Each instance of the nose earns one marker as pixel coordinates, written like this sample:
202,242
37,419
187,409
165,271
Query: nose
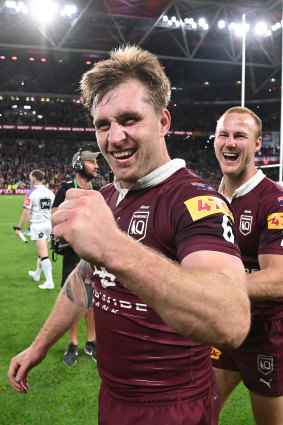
230,141
116,133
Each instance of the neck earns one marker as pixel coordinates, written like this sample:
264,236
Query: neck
232,182
83,182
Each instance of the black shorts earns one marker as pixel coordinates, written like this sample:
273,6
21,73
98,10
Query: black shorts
70,261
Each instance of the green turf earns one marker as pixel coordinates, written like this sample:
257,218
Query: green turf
58,394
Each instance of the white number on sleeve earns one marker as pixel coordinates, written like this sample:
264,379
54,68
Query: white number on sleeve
227,230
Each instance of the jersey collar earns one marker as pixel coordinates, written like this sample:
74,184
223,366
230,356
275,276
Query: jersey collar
246,187
153,178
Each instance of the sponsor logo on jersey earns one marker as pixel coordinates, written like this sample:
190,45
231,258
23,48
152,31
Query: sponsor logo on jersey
27,202
45,203
138,225
114,305
268,383
245,224
199,185
275,221
202,206
106,278
215,353
280,200
265,364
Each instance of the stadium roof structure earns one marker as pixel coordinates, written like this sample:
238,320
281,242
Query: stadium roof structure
171,29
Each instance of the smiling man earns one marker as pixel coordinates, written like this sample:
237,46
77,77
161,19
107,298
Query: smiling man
258,206
160,263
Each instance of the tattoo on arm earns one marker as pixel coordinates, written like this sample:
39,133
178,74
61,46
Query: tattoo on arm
78,286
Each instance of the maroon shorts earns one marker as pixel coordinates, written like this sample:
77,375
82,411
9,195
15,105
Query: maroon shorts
259,359
178,407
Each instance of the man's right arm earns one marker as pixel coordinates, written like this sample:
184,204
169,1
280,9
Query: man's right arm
72,303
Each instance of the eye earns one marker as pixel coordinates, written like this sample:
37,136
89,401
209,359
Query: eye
129,120
103,125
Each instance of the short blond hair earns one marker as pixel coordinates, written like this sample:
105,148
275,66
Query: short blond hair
244,110
125,63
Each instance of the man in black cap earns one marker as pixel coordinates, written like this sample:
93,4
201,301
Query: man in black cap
85,165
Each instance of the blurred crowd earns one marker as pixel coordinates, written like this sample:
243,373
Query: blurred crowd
186,115
19,157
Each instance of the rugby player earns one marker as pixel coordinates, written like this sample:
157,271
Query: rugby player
258,206
160,263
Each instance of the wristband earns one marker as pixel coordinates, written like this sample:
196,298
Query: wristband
17,228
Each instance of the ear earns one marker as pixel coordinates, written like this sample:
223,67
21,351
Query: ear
165,121
257,145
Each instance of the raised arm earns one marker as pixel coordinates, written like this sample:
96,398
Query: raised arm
204,298
72,303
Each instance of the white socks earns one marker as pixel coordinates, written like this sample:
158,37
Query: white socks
47,269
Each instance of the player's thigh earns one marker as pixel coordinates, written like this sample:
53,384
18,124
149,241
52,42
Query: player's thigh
267,410
227,381
42,248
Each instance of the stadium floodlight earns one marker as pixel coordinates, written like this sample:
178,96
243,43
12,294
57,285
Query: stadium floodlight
68,10
11,4
202,22
260,28
165,18
239,29
173,19
221,24
276,26
44,10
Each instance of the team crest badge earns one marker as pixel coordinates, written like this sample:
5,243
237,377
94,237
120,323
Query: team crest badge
265,364
280,200
246,224
138,225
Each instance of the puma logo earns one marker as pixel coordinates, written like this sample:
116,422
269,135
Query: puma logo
266,382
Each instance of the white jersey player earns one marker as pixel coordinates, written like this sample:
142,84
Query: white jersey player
37,207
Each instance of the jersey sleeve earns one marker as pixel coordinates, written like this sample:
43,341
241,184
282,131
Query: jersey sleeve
28,199
271,236
205,222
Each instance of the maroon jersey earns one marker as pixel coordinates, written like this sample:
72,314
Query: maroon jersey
176,214
258,209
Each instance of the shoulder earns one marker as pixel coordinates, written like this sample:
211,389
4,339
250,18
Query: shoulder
185,185
107,190
270,195
66,186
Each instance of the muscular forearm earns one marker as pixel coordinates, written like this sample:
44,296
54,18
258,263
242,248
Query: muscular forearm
202,305
72,304
265,285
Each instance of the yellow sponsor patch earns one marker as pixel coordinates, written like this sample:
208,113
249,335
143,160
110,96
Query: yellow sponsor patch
275,221
202,206
215,353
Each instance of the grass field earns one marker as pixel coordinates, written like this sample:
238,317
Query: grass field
59,394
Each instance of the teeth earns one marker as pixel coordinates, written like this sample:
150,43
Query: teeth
230,154
122,154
